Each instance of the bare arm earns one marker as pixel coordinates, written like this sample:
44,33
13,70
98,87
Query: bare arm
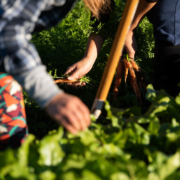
95,43
94,46
142,9
83,66
130,44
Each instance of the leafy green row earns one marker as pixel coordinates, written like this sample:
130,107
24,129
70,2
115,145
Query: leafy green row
127,145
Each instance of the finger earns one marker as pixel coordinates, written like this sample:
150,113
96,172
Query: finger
74,75
86,114
70,84
68,126
73,120
83,84
69,70
78,83
80,116
131,55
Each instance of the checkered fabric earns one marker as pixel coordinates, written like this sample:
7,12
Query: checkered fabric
18,20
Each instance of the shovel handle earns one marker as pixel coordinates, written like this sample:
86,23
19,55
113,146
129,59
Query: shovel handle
114,57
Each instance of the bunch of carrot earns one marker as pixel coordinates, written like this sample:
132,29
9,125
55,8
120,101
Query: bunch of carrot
75,82
134,73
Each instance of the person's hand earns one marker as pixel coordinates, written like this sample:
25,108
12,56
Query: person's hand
69,111
79,69
130,44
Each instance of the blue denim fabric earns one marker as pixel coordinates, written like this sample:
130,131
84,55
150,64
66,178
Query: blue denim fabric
165,17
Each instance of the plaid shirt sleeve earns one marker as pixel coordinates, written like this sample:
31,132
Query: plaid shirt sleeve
18,19
18,57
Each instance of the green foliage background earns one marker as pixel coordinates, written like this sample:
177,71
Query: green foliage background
126,145
65,44
128,142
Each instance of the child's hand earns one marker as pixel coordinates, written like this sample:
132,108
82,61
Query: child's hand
69,111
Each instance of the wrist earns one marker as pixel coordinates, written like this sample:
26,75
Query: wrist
89,59
38,85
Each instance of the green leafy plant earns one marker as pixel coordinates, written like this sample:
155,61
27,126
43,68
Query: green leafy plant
126,144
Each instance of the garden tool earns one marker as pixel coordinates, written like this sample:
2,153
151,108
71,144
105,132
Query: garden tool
115,54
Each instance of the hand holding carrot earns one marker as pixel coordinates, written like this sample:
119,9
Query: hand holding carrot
135,75
80,68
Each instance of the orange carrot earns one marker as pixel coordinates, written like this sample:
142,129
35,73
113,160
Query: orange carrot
64,81
140,77
134,65
135,84
127,66
119,74
135,75
131,82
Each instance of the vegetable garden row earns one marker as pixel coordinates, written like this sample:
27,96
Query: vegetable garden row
130,140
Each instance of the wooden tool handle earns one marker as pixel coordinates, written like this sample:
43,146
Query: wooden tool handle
115,54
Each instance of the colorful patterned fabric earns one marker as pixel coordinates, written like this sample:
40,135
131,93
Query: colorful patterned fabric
13,129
